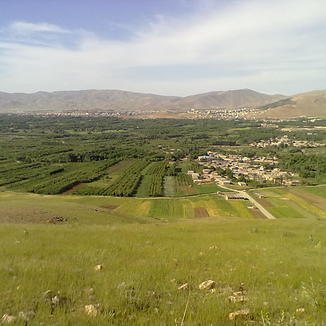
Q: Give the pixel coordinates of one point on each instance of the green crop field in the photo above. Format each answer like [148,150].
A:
[105,210]
[293,202]
[100,224]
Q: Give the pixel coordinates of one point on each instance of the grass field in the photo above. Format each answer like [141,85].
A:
[295,202]
[172,188]
[33,208]
[148,248]
[143,266]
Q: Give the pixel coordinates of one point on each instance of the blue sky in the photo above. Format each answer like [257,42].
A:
[177,47]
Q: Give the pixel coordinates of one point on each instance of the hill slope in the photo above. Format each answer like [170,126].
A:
[311,104]
[129,101]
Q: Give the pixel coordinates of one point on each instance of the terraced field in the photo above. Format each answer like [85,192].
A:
[176,186]
[106,210]
[293,202]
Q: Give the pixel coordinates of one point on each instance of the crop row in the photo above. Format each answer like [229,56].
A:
[59,180]
[126,184]
[183,179]
[24,172]
[152,182]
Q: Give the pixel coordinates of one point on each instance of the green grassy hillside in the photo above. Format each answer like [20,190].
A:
[147,248]
[144,265]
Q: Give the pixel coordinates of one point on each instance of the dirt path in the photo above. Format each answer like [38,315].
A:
[201,212]
[259,206]
[71,190]
[264,211]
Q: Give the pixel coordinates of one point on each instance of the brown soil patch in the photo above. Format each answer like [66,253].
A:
[264,202]
[119,166]
[311,198]
[28,216]
[186,190]
[74,188]
[201,212]
[257,213]
[110,207]
[57,220]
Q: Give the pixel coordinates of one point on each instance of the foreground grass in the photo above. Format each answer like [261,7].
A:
[280,264]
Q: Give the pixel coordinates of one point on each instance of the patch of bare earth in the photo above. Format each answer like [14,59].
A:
[201,212]
[264,202]
[28,216]
[74,188]
[257,213]
[313,199]
[110,207]
[119,166]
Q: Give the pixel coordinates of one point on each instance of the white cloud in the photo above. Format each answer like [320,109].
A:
[21,27]
[271,46]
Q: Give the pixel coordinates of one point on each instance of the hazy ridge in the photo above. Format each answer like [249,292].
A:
[118,100]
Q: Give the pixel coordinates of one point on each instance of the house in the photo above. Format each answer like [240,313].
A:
[234,195]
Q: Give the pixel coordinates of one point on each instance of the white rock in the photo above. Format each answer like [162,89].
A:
[26,315]
[7,319]
[98,267]
[240,313]
[184,287]
[237,298]
[207,285]
[48,294]
[92,310]
[56,300]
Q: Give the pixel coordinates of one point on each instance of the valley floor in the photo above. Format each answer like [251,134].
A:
[271,270]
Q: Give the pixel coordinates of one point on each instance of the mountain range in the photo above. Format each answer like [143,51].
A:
[274,106]
[310,104]
[118,100]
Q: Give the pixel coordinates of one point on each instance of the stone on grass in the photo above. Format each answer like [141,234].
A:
[239,314]
[239,293]
[184,286]
[55,300]
[237,298]
[8,319]
[48,294]
[98,267]
[207,285]
[92,310]
[26,316]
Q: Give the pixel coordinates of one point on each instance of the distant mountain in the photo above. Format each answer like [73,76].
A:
[129,101]
[311,104]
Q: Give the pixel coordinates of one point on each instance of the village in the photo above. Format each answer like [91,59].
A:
[241,169]
[223,113]
[285,141]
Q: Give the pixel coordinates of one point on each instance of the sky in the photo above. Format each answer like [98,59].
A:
[168,47]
